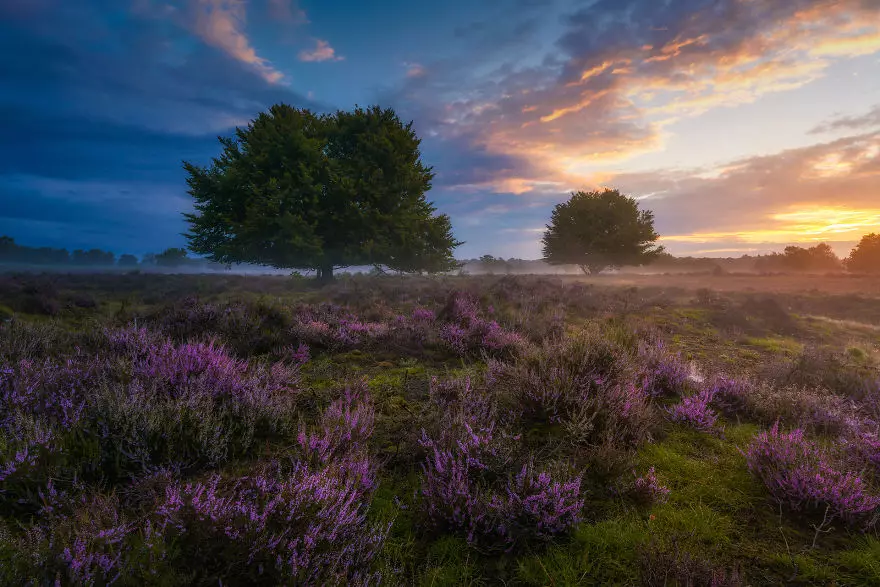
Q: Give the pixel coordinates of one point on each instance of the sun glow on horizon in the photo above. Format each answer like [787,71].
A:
[809,225]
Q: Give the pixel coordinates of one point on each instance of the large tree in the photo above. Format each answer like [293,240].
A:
[299,190]
[865,258]
[597,230]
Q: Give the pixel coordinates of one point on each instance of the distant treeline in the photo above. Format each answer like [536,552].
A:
[817,259]
[12,253]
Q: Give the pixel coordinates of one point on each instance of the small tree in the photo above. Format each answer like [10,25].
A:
[297,190]
[597,230]
[173,257]
[866,256]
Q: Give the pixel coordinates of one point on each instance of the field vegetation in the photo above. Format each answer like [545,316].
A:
[205,430]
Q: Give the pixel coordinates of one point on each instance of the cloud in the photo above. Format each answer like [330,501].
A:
[288,11]
[627,70]
[322,52]
[414,70]
[862,122]
[221,24]
[782,198]
[141,93]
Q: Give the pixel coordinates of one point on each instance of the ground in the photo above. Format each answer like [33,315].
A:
[589,489]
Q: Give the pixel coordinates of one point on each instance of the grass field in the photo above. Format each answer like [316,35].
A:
[486,430]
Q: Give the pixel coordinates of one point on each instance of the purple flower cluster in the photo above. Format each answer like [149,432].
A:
[308,527]
[534,505]
[344,429]
[731,397]
[330,326]
[648,489]
[695,411]
[563,383]
[467,486]
[300,522]
[663,374]
[179,365]
[802,476]
[469,333]
[458,495]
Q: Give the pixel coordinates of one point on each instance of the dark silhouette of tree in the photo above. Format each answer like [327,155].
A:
[297,190]
[92,257]
[11,252]
[597,230]
[127,261]
[171,258]
[865,257]
[817,258]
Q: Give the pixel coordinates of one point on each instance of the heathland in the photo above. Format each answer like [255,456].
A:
[510,430]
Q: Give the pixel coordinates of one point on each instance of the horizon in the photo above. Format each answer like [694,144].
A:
[744,126]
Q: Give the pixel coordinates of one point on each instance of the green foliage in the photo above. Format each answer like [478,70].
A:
[865,257]
[597,230]
[299,190]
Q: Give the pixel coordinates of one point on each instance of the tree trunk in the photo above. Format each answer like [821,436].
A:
[592,269]
[325,274]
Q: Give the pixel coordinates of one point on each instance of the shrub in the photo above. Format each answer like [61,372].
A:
[647,489]
[695,412]
[580,383]
[662,374]
[802,477]
[308,527]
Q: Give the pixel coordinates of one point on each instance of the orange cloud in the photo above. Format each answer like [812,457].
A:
[322,52]
[414,70]
[220,23]
[611,104]
[783,198]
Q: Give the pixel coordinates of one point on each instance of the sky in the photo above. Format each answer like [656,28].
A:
[744,125]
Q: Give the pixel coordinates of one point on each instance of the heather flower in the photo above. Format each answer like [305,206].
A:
[455,337]
[663,374]
[423,315]
[345,426]
[300,355]
[648,489]
[536,506]
[695,412]
[730,396]
[801,476]
[308,527]
[178,365]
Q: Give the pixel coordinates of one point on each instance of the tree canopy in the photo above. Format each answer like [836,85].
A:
[600,229]
[865,257]
[295,189]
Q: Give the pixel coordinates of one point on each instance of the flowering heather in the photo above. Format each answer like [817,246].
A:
[423,315]
[732,397]
[572,383]
[663,374]
[131,340]
[809,409]
[445,392]
[49,390]
[648,489]
[801,476]
[178,365]
[535,506]
[299,355]
[345,426]
[458,494]
[695,412]
[864,447]
[308,527]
